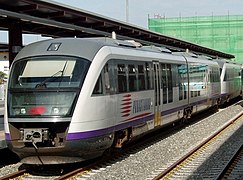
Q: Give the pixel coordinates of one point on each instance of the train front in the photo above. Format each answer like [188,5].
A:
[41,98]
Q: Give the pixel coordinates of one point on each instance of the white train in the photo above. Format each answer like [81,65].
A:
[70,99]
[230,79]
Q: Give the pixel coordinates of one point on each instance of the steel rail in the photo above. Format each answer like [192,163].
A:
[230,163]
[14,175]
[187,155]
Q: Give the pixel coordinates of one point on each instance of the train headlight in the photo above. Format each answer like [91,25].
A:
[55,110]
[16,111]
[60,110]
[19,111]
[22,111]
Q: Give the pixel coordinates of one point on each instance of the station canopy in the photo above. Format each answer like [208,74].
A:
[53,19]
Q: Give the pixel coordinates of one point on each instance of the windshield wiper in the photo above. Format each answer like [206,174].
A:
[42,84]
[63,69]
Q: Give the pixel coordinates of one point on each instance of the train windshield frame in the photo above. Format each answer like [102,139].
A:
[45,85]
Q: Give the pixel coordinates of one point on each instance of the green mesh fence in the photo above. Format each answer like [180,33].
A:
[223,33]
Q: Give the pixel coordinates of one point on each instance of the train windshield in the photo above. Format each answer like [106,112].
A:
[45,86]
[48,72]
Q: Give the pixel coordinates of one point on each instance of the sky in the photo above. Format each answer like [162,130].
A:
[140,10]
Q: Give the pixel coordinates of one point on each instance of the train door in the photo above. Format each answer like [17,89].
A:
[157,94]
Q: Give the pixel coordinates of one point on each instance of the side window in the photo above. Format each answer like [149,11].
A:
[175,78]
[164,82]
[106,84]
[132,78]
[122,79]
[183,83]
[149,77]
[170,86]
[107,79]
[180,82]
[98,87]
[141,77]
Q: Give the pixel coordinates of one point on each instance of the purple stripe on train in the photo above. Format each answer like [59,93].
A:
[100,132]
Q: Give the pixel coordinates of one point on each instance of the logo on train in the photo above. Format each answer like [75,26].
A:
[129,106]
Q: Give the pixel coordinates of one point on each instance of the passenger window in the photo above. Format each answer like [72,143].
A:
[122,79]
[164,82]
[170,86]
[98,87]
[132,78]
[182,73]
[141,77]
[107,79]
[149,79]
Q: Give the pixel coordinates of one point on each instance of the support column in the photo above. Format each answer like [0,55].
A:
[15,40]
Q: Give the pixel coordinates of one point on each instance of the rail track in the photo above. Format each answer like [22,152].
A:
[118,155]
[16,175]
[182,168]
[234,168]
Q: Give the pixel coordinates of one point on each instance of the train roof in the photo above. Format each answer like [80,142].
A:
[222,62]
[83,47]
[87,47]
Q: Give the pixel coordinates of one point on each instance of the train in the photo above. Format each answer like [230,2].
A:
[72,99]
[230,80]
